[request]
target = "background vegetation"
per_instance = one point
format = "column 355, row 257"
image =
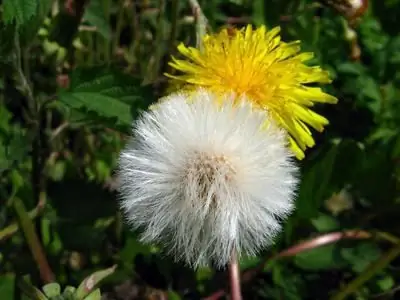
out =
column 73, row 76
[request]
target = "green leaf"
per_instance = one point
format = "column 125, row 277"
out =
column 132, row 248
column 204, row 273
column 69, row 293
column 351, row 68
column 321, row 258
column 95, row 295
column 5, row 117
column 248, row 262
column 52, row 289
column 14, row 144
column 361, row 256
column 372, row 91
column 7, row 287
column 31, row 27
column 348, row 162
column 4, row 163
column 105, row 95
column 325, row 223
column 267, row 12
column 103, row 105
column 386, row 283
column 316, row 183
column 19, row 11
column 30, row 291
column 173, row 295
column 89, row 283
column 7, row 36
column 95, row 16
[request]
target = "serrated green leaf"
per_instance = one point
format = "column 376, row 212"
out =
column 372, row 91
column 105, row 106
column 106, row 95
column 19, row 11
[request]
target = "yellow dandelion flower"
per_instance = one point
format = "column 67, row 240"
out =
column 271, row 73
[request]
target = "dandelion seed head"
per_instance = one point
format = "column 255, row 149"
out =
column 202, row 179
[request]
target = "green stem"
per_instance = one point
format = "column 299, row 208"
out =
column 22, row 80
column 120, row 23
column 134, row 20
column 106, row 44
column 174, row 23
column 91, row 50
column 37, row 179
column 14, row 227
column 367, row 274
column 33, row 241
column 158, row 41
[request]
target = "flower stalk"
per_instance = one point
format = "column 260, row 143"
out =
column 33, row 241
column 234, row 278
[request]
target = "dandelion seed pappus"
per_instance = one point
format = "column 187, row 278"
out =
column 203, row 180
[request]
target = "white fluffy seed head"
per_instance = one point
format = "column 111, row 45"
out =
column 204, row 180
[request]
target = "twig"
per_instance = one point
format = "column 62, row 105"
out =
column 58, row 130
column 122, row 6
column 37, row 179
column 234, row 278
column 24, row 84
column 319, row 241
column 159, row 39
column 33, row 241
column 14, row 227
column 106, row 45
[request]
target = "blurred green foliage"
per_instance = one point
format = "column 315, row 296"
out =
column 75, row 74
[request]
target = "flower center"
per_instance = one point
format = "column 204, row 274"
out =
column 205, row 173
